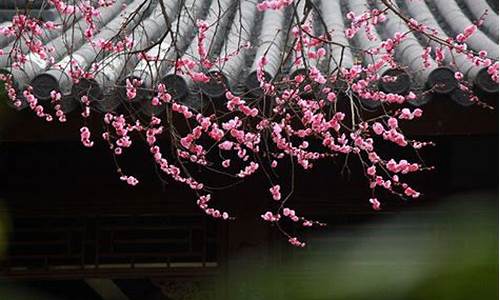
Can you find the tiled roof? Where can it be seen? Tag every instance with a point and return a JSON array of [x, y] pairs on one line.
[[266, 31], [37, 8]]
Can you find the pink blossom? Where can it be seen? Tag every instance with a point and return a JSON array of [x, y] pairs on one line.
[[378, 128], [371, 170], [375, 203], [411, 192], [273, 4], [270, 217], [275, 191], [295, 242], [249, 170], [85, 137]]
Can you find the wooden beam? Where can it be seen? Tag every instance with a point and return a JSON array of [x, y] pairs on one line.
[[106, 288], [442, 117]]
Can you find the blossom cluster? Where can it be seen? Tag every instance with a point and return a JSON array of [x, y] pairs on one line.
[[299, 121]]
